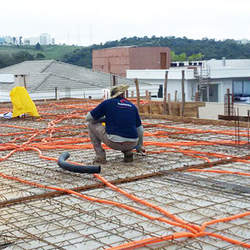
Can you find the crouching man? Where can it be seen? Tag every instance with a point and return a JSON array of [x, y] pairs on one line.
[[123, 130]]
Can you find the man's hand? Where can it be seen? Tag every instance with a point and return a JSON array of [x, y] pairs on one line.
[[141, 150]]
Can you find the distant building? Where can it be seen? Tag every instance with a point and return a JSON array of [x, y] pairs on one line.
[[119, 59], [244, 41], [31, 40], [9, 40], [2, 41], [45, 39], [5, 40], [210, 79]]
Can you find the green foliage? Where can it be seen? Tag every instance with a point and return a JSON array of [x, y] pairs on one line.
[[38, 46], [13, 54], [181, 57], [81, 57], [5, 60], [196, 57], [22, 56], [181, 49], [57, 52], [40, 56], [174, 57]]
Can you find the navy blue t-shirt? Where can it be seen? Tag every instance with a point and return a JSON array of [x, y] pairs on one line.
[[121, 117]]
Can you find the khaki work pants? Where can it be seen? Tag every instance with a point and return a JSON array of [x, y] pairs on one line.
[[98, 135]]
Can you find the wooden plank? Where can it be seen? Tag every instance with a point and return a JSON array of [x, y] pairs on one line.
[[169, 105], [182, 93], [233, 118], [165, 93], [137, 93]]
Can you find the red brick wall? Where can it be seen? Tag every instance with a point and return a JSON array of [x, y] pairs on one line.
[[148, 57], [118, 60]]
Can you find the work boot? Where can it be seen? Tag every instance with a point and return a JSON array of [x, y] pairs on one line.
[[99, 160], [128, 156]]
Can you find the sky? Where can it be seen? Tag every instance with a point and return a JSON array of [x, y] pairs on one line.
[[85, 22]]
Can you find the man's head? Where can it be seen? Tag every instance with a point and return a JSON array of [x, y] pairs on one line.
[[118, 90]]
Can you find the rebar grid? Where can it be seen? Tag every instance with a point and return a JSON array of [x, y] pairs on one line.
[[67, 222]]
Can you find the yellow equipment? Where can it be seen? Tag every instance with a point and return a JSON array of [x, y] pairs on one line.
[[22, 103]]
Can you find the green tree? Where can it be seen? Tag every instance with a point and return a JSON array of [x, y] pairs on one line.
[[182, 57], [22, 56], [40, 56], [196, 57], [5, 60], [38, 46]]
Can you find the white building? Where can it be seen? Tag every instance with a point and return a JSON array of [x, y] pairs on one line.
[[45, 39], [32, 40], [210, 79], [8, 39], [244, 41]]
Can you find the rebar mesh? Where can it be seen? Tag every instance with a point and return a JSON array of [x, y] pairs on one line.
[[35, 217]]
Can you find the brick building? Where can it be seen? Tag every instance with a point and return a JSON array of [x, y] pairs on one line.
[[119, 59]]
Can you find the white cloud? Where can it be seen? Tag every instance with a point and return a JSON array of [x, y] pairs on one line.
[[86, 22]]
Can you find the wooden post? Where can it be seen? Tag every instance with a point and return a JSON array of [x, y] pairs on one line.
[[248, 120], [182, 93], [228, 102], [126, 94], [132, 93], [197, 98], [169, 105], [149, 103], [113, 80], [175, 96], [137, 94], [24, 81], [165, 93], [56, 96]]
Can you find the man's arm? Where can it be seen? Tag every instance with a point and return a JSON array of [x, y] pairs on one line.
[[90, 118], [139, 147]]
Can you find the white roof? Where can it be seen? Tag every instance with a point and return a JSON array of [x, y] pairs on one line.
[[229, 63], [216, 69], [47, 74], [6, 78]]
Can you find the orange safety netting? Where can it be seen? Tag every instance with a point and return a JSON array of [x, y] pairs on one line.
[[39, 140]]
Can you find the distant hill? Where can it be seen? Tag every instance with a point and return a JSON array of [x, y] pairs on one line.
[[13, 54], [182, 49]]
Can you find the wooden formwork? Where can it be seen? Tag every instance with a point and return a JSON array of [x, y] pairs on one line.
[[191, 109]]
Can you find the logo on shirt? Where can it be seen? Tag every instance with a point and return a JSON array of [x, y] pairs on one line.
[[124, 104]]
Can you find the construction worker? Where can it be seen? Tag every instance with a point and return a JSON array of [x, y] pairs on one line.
[[123, 130]]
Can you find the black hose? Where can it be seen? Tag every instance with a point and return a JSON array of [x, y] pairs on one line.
[[76, 168]]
